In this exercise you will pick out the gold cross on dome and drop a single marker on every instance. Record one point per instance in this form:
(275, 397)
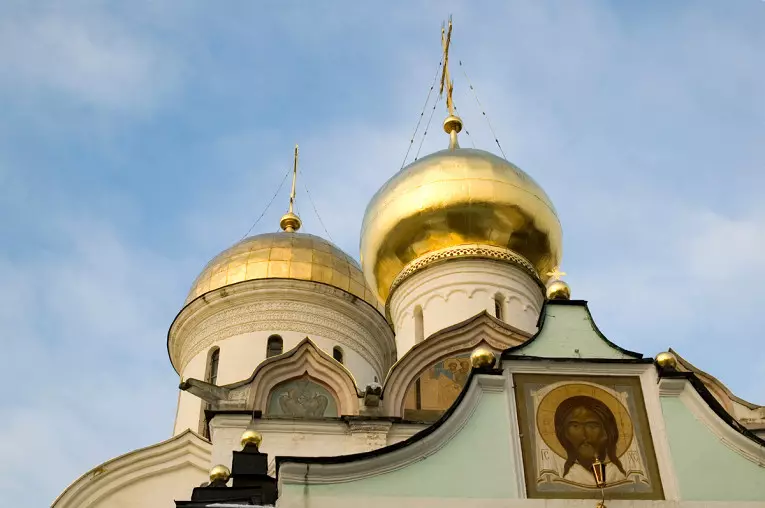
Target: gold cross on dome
(446, 82)
(555, 274)
(294, 179)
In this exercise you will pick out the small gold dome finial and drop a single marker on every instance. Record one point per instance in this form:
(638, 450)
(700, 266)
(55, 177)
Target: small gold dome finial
(482, 358)
(251, 436)
(556, 288)
(220, 472)
(666, 360)
(290, 222)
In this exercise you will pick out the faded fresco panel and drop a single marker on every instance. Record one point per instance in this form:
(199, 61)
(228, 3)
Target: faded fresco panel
(301, 398)
(437, 388)
(567, 422)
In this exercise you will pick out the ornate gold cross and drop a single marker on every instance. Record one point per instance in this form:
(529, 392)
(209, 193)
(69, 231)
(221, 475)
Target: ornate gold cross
(555, 274)
(294, 179)
(446, 82)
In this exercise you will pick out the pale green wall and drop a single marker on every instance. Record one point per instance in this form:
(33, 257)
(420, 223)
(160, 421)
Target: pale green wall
(476, 463)
(707, 470)
(568, 332)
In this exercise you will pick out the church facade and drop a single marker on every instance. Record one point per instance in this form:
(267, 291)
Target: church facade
(450, 368)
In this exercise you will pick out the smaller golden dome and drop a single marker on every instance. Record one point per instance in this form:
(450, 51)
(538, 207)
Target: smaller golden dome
(290, 222)
(220, 472)
(251, 436)
(558, 290)
(483, 358)
(666, 360)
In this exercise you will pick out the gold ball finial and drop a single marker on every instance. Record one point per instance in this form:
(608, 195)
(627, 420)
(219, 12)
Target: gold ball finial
(483, 358)
(290, 222)
(220, 472)
(452, 123)
(666, 360)
(558, 290)
(251, 436)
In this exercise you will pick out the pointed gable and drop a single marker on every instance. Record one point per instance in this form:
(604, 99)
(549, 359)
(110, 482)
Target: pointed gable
(567, 330)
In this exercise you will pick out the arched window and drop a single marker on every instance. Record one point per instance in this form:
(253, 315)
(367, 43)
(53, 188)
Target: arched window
(337, 353)
(275, 346)
(499, 301)
(212, 366)
(419, 325)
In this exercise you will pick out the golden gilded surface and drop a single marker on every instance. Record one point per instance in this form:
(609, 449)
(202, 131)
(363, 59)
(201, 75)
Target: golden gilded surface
(482, 358)
(251, 436)
(558, 290)
(219, 472)
(284, 255)
(457, 197)
(666, 360)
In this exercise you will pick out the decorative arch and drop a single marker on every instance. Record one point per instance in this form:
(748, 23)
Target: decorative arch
(186, 455)
(447, 343)
(305, 360)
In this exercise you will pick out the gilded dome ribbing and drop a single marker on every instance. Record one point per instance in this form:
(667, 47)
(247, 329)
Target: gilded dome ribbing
(284, 255)
(457, 197)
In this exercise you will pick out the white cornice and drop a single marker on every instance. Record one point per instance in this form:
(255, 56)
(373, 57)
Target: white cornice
(385, 462)
(282, 305)
(739, 443)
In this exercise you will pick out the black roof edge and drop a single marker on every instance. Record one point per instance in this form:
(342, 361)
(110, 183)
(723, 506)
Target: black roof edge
(341, 459)
(711, 401)
(526, 358)
(508, 353)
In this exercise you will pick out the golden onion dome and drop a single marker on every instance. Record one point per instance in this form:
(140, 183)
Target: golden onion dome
(284, 255)
(452, 198)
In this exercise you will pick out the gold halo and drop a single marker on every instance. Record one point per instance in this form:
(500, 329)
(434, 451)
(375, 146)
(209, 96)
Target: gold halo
(550, 402)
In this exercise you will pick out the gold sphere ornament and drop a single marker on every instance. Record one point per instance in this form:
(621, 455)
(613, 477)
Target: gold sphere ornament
(290, 222)
(220, 472)
(452, 123)
(666, 360)
(483, 358)
(558, 290)
(251, 436)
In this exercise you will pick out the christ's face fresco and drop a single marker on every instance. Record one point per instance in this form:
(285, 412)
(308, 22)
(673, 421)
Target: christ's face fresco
(584, 430)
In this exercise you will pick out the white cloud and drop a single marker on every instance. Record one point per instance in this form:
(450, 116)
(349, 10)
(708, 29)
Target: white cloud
(85, 55)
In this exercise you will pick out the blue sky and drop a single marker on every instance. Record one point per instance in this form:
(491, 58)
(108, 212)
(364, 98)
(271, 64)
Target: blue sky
(138, 139)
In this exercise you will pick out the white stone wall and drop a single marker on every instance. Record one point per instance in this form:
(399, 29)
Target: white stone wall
(304, 438)
(456, 290)
(239, 320)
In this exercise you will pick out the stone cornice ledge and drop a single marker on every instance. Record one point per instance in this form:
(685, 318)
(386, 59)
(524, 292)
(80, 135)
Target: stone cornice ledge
(382, 462)
(739, 443)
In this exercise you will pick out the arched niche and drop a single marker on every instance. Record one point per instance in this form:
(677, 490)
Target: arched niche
(436, 389)
(302, 397)
(304, 361)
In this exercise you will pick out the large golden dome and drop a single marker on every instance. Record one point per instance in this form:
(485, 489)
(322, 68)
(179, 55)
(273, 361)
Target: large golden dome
(457, 197)
(284, 255)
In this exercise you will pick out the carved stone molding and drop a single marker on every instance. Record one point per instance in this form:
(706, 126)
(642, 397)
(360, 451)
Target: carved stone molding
(281, 305)
(473, 251)
(459, 338)
(305, 359)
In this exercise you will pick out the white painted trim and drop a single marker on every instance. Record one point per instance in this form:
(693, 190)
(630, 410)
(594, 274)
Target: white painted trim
(187, 448)
(319, 474)
(515, 435)
(719, 427)
(305, 359)
(464, 337)
(648, 383)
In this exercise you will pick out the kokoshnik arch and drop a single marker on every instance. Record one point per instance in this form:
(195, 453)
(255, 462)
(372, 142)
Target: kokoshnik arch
(450, 367)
